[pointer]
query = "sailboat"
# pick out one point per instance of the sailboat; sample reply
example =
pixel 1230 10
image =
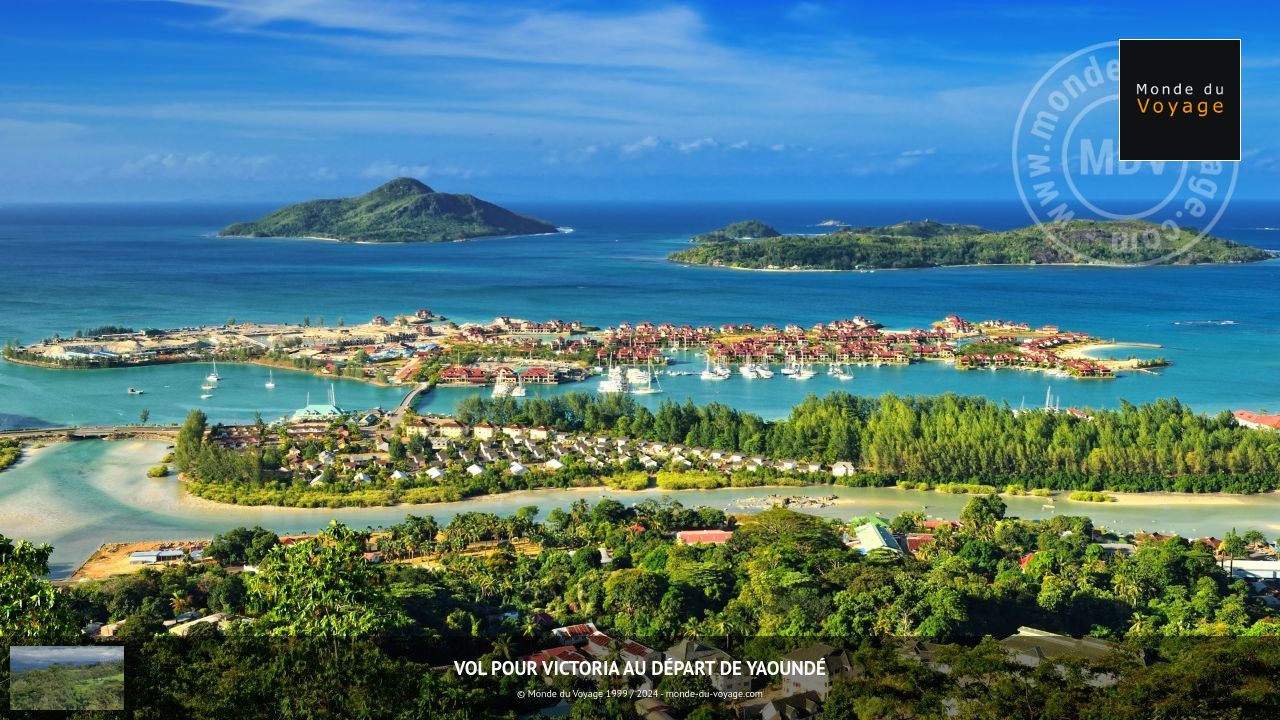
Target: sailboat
pixel 518 390
pixel 271 380
pixel 717 373
pixel 647 386
pixel 802 372
pixel 213 375
pixel 615 382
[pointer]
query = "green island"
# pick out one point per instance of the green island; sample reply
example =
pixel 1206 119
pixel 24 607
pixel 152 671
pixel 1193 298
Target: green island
pixel 744 230
pixel 402 210
pixel 68 687
pixel 927 243
pixel 495 445
pixel 985 616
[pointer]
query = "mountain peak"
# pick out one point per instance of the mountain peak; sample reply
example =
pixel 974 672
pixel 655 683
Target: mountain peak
pixel 403 186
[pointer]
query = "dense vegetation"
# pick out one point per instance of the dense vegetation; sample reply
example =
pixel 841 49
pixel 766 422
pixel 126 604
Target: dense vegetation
pixel 10 451
pixel 744 230
pixel 933 244
pixel 323 619
pixel 402 210
pixel 90 686
pixel 1157 446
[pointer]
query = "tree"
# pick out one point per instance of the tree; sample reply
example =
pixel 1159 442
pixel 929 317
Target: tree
pixel 242 546
pixel 323 587
pixel 144 416
pixel 1232 547
pixel 32 611
pixel 981 514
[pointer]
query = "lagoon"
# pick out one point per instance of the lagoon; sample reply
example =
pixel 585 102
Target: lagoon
pixel 79 495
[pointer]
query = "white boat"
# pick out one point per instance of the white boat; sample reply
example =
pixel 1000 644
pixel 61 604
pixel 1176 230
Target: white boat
pixel 213 375
pixel 763 372
pixel 837 372
pixel 719 372
pixel 135 391
pixel 802 373
pixel 208 386
pixel 501 388
pixel 790 368
pixel 615 382
pixel 518 390
pixel 648 386
pixel 636 376
pixel 206 396
pixel 271 380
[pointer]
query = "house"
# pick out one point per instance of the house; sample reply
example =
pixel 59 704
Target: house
pixel 570 634
pixel 517 469
pixel 687 651
pixel 703 537
pixel 553 465
pixel 873 536
pixel 474 470
pixel 651 708
pixel 435 473
pixel 483 430
pixel 1030 647
pixel 843 469
pixel 220 621
pixel 1257 421
pixel 836 661
pixel 805 706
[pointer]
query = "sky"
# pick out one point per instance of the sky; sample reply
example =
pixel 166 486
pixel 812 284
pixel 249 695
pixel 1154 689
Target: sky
pixel 40 656
pixel 218 100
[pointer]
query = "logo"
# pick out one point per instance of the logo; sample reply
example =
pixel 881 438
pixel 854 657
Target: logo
pixel 1067 167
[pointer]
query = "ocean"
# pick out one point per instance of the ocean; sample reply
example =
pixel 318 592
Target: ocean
pixel 161 265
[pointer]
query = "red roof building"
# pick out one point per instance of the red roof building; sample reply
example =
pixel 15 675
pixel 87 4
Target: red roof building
pixel 704 537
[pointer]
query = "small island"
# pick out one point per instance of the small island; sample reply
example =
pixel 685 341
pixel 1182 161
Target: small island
pixel 927 243
pixel 403 210
pixel 744 230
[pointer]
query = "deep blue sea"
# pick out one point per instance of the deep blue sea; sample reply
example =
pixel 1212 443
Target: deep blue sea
pixel 70 267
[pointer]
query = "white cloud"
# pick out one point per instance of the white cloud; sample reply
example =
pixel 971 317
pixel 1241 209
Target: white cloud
pixel 740 145
pixel 385 170
pixel 644 144
pixel 205 164
pixel 918 152
pixel 696 145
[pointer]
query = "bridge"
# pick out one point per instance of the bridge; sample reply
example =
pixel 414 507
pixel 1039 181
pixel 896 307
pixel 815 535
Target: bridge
pixel 95 432
pixel 409 399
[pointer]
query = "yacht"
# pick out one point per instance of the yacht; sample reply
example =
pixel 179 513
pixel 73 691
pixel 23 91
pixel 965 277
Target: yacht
pixel 615 382
pixel 636 376
pixel 763 372
pixel 271 380
pixel 209 386
pixel 648 386
pixel 802 373
pixel 719 372
pixel 206 396
pixel 518 390
pixel 135 391
pixel 213 375
pixel 501 388
pixel 837 372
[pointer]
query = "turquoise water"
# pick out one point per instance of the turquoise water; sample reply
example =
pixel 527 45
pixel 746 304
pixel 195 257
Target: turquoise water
pixel 75 267
pixel 79 495
pixel 66 268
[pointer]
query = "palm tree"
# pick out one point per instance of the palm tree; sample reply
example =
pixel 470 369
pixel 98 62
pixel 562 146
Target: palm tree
pixel 179 603
pixel 502 647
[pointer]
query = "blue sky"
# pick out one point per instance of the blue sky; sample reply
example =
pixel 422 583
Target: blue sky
pixel 287 99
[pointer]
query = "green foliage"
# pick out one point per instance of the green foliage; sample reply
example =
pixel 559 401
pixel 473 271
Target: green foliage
pixel 69 687
pixel 402 210
pixel 742 230
pixel 32 611
pixel 1091 496
pixel 242 546
pixel 158 471
pixel 929 244
pixel 10 451
pixel 323 588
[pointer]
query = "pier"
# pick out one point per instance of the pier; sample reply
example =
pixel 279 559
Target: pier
pixel 95 432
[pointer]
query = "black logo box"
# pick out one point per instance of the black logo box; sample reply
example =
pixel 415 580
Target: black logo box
pixel 1210 132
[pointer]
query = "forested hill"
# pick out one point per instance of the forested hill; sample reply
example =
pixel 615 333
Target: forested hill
pixel 403 210
pixel 744 230
pixel 932 244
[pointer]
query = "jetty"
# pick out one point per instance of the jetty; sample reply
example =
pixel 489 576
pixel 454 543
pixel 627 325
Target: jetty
pixel 94 432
